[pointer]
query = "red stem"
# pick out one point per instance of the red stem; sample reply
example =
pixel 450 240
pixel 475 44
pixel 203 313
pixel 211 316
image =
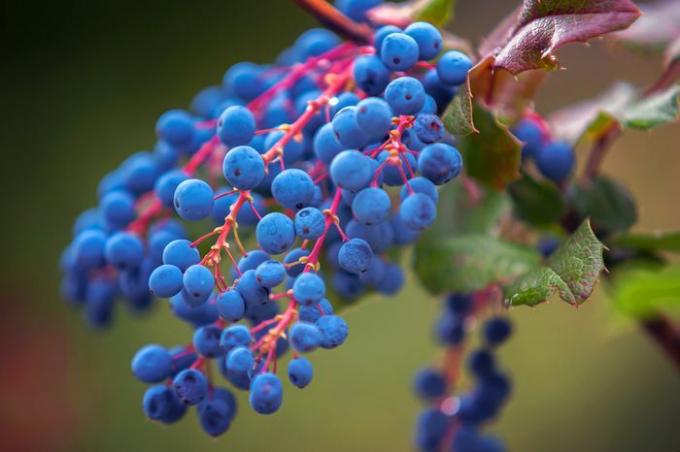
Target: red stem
pixel 325 13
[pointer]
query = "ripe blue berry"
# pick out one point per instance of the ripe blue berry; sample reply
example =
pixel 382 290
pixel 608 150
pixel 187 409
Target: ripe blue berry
pixel 236 126
pixel 326 144
pixel 117 209
pixel 230 305
pixel 244 80
pixel 275 233
pixel 167 184
pixel 243 167
pixel 481 363
pixel 420 185
pixel 181 254
pixel 356 9
pixel 88 249
pixel 293 188
pixel 266 393
pixel 431 427
pixel 160 403
pixel 450 329
pixel 139 172
pixel 310 223
pixel 440 162
pixel 216 413
pixel 207 341
pixel 347 129
pixel 124 250
pixel 371 206
pixel 193 199
pixel 253 293
pixel 300 372
pixel 374 117
pixel 497 330
pixel 371 74
pixel 251 260
pixel 309 288
pixel 392 279
pixel 399 51
pixel 429 128
pixel 305 337
pixel 556 160
pixel 152 364
pixel 405 95
pixel 312 313
pixel 351 170
pixel 355 256
pixel 530 134
pixel 381 33
pixel 452 67
pixel 166 281
pixel 191 386
pixel 198 284
pixel 428 38
pixel 293 256
pixel 430 384
pixel 418 211
pixel 459 304
pixel 333 329
pixel 234 336
pixel 176 128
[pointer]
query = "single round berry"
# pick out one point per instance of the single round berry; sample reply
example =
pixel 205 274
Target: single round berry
pixel 181 254
pixel 305 337
pixel 167 184
pixel 428 38
pixel 556 160
pixel 266 393
pixel 440 162
pixel 118 208
pixel 193 199
pixel 206 341
pixel 236 126
pixel 270 273
pixel 88 249
pixel 166 281
pixel 481 363
pixel 405 95
pixel 230 305
pixel 419 185
pixel 371 74
pixel 235 336
pixel 293 188
pixel 453 67
pixel 198 284
pixel 326 144
pixel 333 329
pixel 530 134
pixel 309 288
pixel 275 233
pixel 429 128
pixel 253 293
pixel 300 372
pixel 152 364
pixel 216 413
pixel 310 223
pixel 371 206
pixel 176 128
pixel 191 386
pixel 430 384
pixel 347 130
pixel 355 256
pixel 381 33
pixel 399 51
pixel 243 167
pixel 418 211
pixel 374 117
pixel 497 330
pixel 124 250
pixel 351 170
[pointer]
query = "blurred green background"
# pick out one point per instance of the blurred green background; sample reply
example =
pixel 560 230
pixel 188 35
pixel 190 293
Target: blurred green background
pixel 82 85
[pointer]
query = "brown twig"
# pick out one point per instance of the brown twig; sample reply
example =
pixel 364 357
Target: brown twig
pixel 665 334
pixel 325 13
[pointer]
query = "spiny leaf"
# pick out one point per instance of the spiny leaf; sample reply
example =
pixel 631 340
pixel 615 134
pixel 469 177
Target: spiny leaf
pixel 538 203
pixel 543 26
pixel 643 292
pixel 572 271
pixel 609 204
pixel 652 111
pixel 458 118
pixel 467 263
pixel 491 156
pixel 664 241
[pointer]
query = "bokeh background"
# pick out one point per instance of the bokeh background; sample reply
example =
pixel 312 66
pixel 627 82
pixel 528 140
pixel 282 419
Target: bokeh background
pixel 82 85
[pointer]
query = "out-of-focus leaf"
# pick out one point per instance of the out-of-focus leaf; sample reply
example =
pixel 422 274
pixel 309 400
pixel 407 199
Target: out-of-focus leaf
pixel 572 271
pixel 538 203
pixel 643 292
pixel 664 241
pixel 436 12
pixel 656 28
pixel 467 263
pixel 649 112
pixel 609 204
pixel 458 118
pixel 491 156
pixel 543 26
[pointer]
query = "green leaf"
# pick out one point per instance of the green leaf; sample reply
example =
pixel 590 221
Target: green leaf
pixel 572 271
pixel 471 210
pixel 609 204
pixel 643 292
pixel 467 263
pixel 652 111
pixel 436 12
pixel 664 241
pixel 538 203
pixel 458 118
pixel 491 156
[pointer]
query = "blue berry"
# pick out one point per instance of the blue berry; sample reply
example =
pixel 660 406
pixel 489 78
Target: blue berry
pixel 381 33
pixel 244 80
pixel 333 329
pixel 200 315
pixel 312 313
pixel 309 288
pixel 405 95
pixel 139 172
pixel 117 209
pixel 300 372
pixel 351 170
pixel 371 206
pixel 497 330
pixel 176 128
pixel 371 74
pixel 305 337
pixel 326 144
pixel 453 67
pixel 161 404
pixel 315 42
pixel 293 188
pixel 293 151
pixel 88 249
pixel 556 160
pixel 181 254
pixel 191 386
pixel 379 236
pixel 347 285
pixel 310 223
pixel 205 101
pixel 431 428
pixel 207 341
pixel 347 99
pixel 399 51
pixel 374 273
pixel 481 363
pixel 152 364
pixel 429 128
pixel 459 304
pixel 240 363
pixel 230 305
pixel 374 117
pixel 530 134
pixel 420 185
pixel 266 393
pixel 392 279
pixel 450 329
pixel 124 250
pixel 275 233
pixel 347 129
pixel 428 38
pixel 356 9
pixel 270 273
pixel 440 162
pixel 216 413
pixel 193 199
pixel 355 256
pixel 198 284
pixel 293 256
pixel 236 126
pixel 251 260
pixel 251 290
pixel 166 281
pixel 234 336
pixel 243 167
pixel 418 211
pixel 430 384
pixel 167 184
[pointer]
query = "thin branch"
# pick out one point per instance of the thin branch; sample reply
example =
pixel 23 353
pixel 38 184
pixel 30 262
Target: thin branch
pixel 325 13
pixel 664 333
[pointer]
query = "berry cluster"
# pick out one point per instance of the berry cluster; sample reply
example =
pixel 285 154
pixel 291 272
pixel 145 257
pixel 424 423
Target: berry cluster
pixel 554 158
pixel 455 421
pixel 331 155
